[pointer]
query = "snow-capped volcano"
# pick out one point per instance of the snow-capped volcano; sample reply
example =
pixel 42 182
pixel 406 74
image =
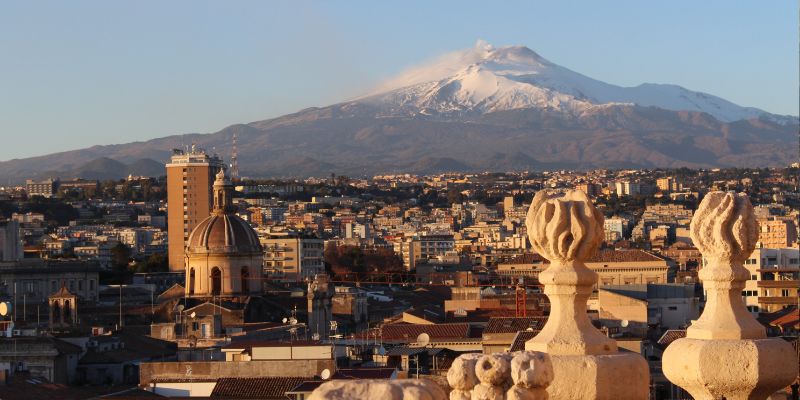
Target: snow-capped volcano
pixel 481 109
pixel 486 79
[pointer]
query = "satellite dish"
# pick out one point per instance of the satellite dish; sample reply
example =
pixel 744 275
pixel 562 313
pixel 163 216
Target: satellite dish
pixel 423 339
pixel 624 323
pixel 193 314
pixel 325 375
pixel 292 321
pixel 285 320
pixel 382 351
pixel 5 308
pixel 180 307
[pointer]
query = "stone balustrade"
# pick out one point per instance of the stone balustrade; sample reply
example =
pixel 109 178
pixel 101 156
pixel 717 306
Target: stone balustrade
pixel 522 375
pixel 725 355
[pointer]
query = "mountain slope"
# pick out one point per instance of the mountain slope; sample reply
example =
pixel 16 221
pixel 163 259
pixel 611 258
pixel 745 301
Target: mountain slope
pixel 479 109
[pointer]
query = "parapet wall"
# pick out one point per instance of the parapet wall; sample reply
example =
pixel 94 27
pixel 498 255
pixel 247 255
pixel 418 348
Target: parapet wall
pixel 243 369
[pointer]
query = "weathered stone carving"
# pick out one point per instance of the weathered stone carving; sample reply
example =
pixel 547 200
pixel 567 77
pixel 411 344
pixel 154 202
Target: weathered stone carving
pixel 523 375
pixel 494 373
pixel 531 372
pixel 379 389
pixel 567 230
pixel 726 352
pixel 461 376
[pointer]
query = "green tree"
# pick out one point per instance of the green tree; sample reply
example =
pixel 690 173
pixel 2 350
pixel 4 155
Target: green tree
pixel 120 256
pixel 155 263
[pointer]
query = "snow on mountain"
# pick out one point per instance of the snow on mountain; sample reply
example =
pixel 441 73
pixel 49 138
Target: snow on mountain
pixel 485 79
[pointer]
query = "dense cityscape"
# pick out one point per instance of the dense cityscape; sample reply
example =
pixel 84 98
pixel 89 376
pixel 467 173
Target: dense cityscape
pixel 168 284
pixel 417 200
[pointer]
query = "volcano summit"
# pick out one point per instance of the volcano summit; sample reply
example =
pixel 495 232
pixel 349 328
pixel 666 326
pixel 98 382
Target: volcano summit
pixel 483 108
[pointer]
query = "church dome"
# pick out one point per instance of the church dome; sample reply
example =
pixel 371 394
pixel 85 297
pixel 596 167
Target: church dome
pixel 223 232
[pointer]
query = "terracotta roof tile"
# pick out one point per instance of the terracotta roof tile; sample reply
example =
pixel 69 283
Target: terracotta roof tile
pixel 255 388
pixel 514 324
pixel 670 336
pixel 606 255
pixel 519 341
pixel 364 373
pixel 409 332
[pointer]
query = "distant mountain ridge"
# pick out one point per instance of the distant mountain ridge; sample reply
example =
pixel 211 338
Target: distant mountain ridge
pixel 483 108
pixel 105 168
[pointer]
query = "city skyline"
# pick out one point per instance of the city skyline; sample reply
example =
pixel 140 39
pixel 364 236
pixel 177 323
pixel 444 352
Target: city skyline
pixel 221 68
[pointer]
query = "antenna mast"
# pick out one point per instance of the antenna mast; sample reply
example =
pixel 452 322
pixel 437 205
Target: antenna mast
pixel 234 162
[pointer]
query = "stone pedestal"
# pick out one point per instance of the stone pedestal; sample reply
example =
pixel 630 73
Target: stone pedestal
pixel 735 369
pixel 609 377
pixel 567 230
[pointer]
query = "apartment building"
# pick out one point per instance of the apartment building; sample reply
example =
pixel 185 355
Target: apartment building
pixel 774 279
pixel 426 247
pixel 190 175
pixel 45 188
pixel 293 258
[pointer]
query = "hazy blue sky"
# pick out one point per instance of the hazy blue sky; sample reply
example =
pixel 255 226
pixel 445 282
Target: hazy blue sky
pixel 78 73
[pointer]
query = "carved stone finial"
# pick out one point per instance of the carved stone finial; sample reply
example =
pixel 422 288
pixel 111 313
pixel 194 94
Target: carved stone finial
pixel 564 227
pixel 567 230
pixel 726 353
pixel 725 230
pixel 724 227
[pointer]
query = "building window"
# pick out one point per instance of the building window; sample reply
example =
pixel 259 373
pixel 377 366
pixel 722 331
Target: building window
pixel 191 281
pixel 245 280
pixel 216 281
pixel 91 284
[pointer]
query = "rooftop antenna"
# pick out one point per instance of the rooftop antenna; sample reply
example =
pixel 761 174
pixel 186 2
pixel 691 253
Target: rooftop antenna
pixel 234 162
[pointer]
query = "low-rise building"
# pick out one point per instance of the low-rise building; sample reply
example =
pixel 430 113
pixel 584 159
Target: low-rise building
pixel 637 308
pixel 614 267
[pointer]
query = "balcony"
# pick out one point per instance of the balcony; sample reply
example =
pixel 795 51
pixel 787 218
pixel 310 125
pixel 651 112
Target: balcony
pixel 788 284
pixel 787 300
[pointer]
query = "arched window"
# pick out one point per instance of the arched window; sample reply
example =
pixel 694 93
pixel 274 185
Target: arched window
pixel 216 281
pixel 67 312
pixel 245 280
pixel 56 310
pixel 191 281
